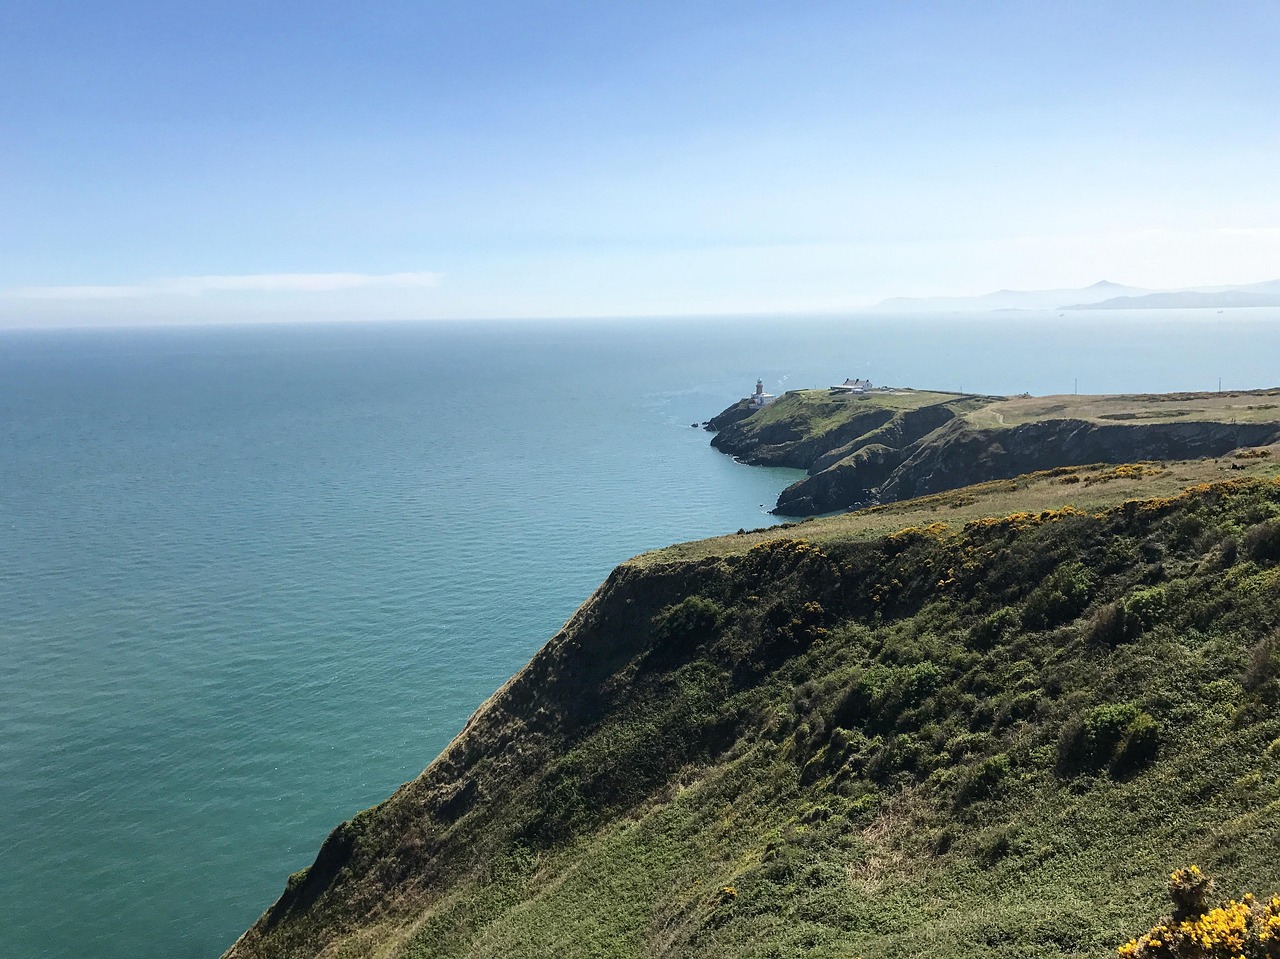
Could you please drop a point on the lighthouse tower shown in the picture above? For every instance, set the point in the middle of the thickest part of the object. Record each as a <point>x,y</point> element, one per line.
<point>760,398</point>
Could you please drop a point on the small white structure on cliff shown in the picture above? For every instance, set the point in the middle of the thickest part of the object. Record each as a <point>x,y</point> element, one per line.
<point>760,398</point>
<point>853,386</point>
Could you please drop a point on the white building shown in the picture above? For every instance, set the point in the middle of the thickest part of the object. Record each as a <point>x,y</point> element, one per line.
<point>853,386</point>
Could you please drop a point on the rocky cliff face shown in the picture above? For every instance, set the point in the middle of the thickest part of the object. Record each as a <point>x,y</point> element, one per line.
<point>736,413</point>
<point>855,472</point>
<point>814,436</point>
<point>785,442</point>
<point>961,456</point>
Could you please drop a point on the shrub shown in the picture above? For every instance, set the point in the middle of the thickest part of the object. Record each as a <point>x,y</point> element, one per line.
<point>694,617</point>
<point>1121,554</point>
<point>1184,529</point>
<point>994,627</point>
<point>1146,605</point>
<point>1228,550</point>
<point>881,694</point>
<point>1139,745</point>
<point>1189,889</point>
<point>1061,597</point>
<point>1263,662</point>
<point>995,843</point>
<point>1234,929</point>
<point>1262,542</point>
<point>1104,726</point>
<point>1112,625</point>
<point>1118,735</point>
<point>984,779</point>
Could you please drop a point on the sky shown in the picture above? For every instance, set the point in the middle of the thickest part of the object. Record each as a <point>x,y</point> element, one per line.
<point>234,162</point>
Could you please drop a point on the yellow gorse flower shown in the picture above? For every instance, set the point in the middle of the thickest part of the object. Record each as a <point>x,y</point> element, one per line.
<point>1230,931</point>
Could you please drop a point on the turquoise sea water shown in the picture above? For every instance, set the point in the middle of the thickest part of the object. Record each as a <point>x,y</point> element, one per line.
<point>251,580</point>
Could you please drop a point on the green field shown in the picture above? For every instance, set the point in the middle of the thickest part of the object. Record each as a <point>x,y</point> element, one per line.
<point>1260,406</point>
<point>838,403</point>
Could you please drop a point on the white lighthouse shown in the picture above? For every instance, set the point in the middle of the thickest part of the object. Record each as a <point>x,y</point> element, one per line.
<point>760,398</point>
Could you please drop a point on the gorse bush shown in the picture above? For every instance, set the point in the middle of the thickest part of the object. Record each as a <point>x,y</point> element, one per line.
<point>1190,890</point>
<point>1244,929</point>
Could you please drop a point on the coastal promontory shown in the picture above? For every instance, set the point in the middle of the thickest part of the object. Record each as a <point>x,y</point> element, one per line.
<point>875,446</point>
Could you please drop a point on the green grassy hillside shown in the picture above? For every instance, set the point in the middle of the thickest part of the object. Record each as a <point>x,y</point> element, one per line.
<point>978,737</point>
<point>1252,406</point>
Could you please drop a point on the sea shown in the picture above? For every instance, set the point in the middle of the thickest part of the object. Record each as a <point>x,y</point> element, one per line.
<point>253,578</point>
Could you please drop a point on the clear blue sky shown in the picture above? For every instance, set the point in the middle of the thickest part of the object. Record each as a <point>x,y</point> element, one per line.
<point>262,160</point>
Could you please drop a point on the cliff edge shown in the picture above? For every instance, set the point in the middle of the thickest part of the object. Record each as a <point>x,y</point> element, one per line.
<point>971,724</point>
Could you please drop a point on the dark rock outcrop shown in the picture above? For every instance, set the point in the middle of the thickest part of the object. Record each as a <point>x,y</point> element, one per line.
<point>736,413</point>
<point>853,473</point>
<point>786,442</point>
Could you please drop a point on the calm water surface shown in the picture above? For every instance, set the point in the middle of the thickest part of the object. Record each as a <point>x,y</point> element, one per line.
<point>251,580</point>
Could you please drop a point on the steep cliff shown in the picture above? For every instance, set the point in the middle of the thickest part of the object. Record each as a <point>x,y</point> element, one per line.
<point>973,738</point>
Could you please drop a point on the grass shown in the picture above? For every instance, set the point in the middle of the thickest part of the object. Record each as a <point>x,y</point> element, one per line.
<point>962,739</point>
<point>891,399</point>
<point>1255,406</point>
<point>817,412</point>
<point>823,409</point>
<point>1088,488</point>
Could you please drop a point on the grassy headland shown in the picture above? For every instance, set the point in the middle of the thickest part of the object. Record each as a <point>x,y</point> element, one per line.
<point>988,732</point>
<point>885,445</point>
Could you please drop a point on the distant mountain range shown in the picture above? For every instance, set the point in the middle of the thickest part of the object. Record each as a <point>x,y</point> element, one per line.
<point>1103,295</point>
<point>1183,300</point>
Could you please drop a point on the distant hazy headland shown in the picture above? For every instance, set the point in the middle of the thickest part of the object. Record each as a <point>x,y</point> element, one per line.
<point>1103,295</point>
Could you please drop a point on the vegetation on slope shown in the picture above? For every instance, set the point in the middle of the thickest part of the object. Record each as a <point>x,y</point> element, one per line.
<point>1089,488</point>
<point>956,740</point>
<point>884,446</point>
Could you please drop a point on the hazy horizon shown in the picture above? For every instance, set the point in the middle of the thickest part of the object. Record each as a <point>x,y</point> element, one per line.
<point>279,162</point>
<point>123,311</point>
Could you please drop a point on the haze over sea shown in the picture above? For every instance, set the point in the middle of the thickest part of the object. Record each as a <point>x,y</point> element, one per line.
<point>252,579</point>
